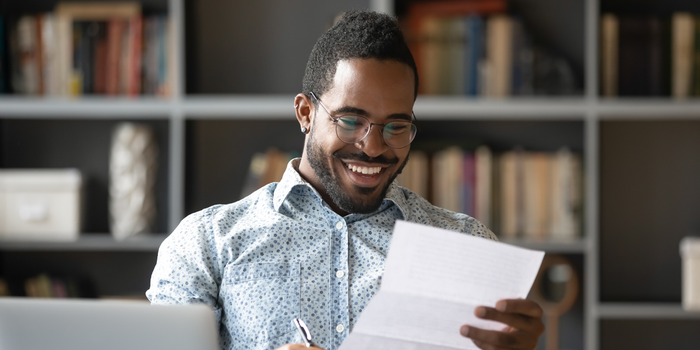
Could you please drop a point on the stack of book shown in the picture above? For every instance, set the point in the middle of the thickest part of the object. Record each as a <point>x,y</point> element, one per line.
<point>474,48</point>
<point>89,48</point>
<point>650,55</point>
<point>518,194</point>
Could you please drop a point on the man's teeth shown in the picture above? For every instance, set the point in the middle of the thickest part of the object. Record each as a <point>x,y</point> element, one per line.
<point>364,170</point>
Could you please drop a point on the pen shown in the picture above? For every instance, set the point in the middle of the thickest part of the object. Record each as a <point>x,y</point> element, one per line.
<point>303,331</point>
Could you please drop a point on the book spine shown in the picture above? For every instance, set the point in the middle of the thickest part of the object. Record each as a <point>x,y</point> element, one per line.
<point>608,54</point>
<point>696,59</point>
<point>683,42</point>
<point>136,34</point>
<point>114,34</point>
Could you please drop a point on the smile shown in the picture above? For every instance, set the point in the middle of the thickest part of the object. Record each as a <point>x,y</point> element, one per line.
<point>364,170</point>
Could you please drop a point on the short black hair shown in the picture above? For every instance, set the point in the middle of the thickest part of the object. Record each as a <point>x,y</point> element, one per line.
<point>357,34</point>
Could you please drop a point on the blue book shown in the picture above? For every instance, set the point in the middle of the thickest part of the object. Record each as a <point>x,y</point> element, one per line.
<point>474,51</point>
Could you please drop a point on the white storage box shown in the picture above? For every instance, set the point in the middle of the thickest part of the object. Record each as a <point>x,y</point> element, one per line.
<point>690,254</point>
<point>40,204</point>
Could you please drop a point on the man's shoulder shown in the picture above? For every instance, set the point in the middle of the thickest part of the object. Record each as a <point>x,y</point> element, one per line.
<point>255,203</point>
<point>421,211</point>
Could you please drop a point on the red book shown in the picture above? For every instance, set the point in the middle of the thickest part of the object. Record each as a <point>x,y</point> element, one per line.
<point>134,74</point>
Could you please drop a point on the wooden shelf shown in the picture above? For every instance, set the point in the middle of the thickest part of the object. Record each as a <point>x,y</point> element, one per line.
<point>89,242</point>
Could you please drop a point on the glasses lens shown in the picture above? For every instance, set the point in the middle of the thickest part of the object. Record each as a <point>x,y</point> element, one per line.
<point>399,134</point>
<point>351,128</point>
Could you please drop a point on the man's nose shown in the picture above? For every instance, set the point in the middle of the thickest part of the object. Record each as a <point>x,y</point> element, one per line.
<point>373,144</point>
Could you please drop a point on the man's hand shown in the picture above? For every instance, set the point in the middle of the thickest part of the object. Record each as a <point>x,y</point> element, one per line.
<point>297,347</point>
<point>524,318</point>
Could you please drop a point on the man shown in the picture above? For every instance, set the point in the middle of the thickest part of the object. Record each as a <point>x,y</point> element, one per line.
<point>313,245</point>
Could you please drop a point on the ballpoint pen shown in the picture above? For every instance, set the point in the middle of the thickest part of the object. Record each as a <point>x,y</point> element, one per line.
<point>303,332</point>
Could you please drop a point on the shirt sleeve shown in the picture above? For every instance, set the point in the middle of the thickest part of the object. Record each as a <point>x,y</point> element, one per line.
<point>187,270</point>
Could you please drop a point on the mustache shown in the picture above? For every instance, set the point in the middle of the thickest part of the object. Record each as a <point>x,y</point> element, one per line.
<point>364,158</point>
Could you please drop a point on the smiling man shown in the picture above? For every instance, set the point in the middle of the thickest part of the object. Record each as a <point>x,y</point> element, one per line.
<point>313,245</point>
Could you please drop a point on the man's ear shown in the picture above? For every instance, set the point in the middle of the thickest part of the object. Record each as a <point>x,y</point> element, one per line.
<point>304,111</point>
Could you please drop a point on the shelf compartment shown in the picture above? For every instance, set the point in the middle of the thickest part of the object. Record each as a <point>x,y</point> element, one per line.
<point>84,145</point>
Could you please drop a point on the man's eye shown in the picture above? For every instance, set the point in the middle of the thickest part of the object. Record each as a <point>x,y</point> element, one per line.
<point>351,122</point>
<point>395,128</point>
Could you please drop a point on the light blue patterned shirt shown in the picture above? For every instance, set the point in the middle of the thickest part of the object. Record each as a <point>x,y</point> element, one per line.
<point>282,253</point>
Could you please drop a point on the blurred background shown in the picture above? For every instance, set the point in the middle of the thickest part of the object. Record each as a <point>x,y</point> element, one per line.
<point>570,126</point>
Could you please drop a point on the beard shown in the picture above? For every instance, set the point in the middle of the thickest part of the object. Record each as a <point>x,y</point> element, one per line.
<point>362,204</point>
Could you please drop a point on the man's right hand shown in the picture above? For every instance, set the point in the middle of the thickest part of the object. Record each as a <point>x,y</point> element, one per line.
<point>297,347</point>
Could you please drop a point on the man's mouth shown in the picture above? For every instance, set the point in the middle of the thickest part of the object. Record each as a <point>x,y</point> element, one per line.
<point>364,170</point>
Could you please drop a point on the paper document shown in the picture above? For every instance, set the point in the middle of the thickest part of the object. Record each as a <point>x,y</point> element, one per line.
<point>433,280</point>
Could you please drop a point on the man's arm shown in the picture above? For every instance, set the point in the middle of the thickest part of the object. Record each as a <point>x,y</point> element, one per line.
<point>186,271</point>
<point>524,318</point>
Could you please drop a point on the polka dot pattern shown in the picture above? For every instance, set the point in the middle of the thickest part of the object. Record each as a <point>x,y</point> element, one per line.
<point>282,253</point>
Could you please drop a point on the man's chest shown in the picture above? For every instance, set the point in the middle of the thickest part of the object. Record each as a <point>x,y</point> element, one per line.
<point>324,270</point>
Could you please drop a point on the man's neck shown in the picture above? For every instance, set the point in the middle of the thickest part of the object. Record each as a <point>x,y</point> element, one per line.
<point>307,173</point>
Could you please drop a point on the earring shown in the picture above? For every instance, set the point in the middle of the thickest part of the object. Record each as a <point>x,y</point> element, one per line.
<point>304,130</point>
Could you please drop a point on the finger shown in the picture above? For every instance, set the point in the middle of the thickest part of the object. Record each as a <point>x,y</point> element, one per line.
<point>484,346</point>
<point>487,339</point>
<point>516,321</point>
<point>520,306</point>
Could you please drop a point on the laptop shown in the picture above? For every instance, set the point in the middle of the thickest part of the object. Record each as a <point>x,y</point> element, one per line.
<point>82,324</point>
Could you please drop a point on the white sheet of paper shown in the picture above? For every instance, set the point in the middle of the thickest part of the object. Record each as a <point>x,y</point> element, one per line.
<point>433,280</point>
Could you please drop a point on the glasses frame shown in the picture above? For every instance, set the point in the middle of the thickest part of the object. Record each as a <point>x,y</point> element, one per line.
<point>335,121</point>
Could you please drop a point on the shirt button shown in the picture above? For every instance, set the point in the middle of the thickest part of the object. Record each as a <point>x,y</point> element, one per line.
<point>340,328</point>
<point>339,225</point>
<point>339,274</point>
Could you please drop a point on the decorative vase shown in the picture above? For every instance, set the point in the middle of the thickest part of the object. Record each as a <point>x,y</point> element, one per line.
<point>132,176</point>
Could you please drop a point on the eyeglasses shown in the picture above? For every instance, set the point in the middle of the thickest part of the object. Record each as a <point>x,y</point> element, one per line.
<point>352,128</point>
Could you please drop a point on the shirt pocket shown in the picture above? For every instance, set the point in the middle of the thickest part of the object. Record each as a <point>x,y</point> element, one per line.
<point>260,300</point>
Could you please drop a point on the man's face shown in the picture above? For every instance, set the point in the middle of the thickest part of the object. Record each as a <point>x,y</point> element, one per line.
<point>355,177</point>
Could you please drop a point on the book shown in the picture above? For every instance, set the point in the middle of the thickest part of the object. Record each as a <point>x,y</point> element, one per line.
<point>483,190</point>
<point>523,75</point>
<point>49,55</point>
<point>414,175</point>
<point>536,194</point>
<point>115,32</point>
<point>608,55</point>
<point>68,12</point>
<point>511,200</point>
<point>26,79</point>
<point>3,70</point>
<point>499,38</point>
<point>474,53</point>
<point>566,195</point>
<point>638,37</point>
<point>696,59</point>
<point>683,48</point>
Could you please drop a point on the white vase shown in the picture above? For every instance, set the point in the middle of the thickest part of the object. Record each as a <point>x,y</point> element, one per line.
<point>132,175</point>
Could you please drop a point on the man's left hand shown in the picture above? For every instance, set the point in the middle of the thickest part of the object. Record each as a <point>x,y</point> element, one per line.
<point>523,318</point>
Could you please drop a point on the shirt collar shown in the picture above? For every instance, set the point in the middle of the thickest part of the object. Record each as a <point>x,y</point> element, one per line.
<point>293,182</point>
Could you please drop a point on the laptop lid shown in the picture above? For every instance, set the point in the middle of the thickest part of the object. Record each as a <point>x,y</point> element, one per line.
<point>32,324</point>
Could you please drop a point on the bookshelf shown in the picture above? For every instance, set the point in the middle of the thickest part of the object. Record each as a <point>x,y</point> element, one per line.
<point>210,95</point>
